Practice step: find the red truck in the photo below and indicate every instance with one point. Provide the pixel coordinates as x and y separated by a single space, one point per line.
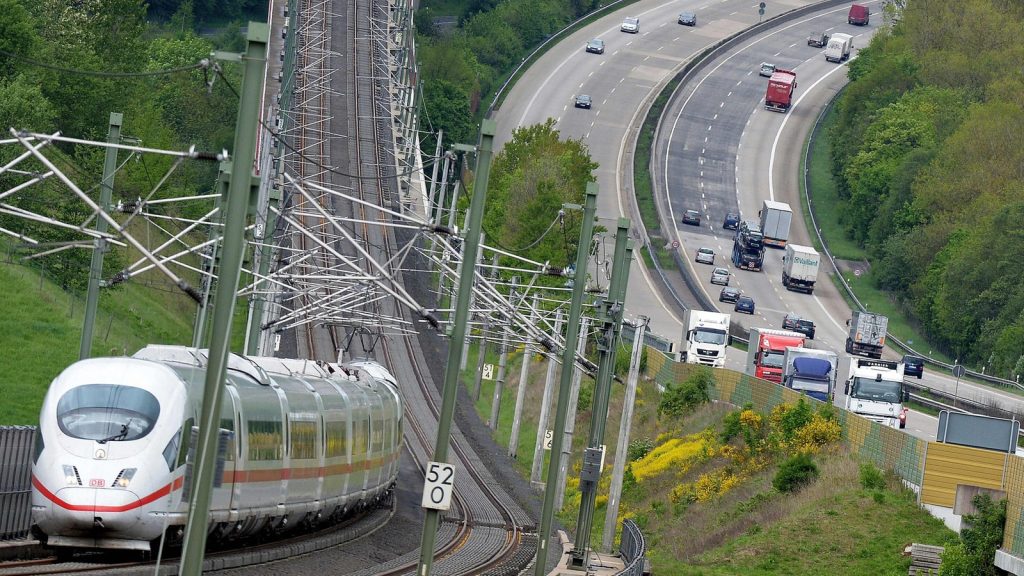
766 352
781 86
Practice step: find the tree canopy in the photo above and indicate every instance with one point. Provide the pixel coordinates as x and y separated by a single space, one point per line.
928 153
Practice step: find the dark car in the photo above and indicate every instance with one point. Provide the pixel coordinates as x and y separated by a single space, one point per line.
732 221
691 217
583 101
688 19
728 295
744 304
818 40
913 366
596 46
798 324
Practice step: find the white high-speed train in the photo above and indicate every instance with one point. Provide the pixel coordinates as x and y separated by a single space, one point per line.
301 443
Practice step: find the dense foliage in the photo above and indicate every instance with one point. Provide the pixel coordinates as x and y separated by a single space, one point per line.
981 534
84 42
928 152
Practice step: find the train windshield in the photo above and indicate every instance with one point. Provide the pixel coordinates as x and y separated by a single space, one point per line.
107 412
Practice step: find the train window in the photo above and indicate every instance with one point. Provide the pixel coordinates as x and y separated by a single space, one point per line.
377 436
337 439
266 440
37 444
229 424
303 439
186 443
107 412
360 437
171 450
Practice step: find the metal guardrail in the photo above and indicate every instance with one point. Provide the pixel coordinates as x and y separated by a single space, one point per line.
853 297
16 444
633 549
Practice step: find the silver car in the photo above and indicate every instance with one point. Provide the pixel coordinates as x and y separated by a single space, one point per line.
705 256
720 276
631 25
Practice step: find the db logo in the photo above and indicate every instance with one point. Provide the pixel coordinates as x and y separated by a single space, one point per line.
96 483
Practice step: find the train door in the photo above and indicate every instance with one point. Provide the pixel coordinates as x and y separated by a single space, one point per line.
224 496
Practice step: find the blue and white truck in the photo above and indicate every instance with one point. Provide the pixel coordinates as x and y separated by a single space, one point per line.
811 372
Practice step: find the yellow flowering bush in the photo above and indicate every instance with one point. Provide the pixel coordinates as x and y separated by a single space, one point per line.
817 433
676 454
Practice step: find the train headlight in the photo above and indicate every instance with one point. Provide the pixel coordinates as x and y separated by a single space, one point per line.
71 476
124 478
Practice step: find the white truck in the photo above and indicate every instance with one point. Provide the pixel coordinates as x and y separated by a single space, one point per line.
800 267
839 47
875 391
775 220
810 371
706 338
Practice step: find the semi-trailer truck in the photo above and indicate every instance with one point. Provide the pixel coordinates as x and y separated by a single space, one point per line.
839 47
706 338
800 267
811 372
867 334
775 220
875 391
781 86
767 350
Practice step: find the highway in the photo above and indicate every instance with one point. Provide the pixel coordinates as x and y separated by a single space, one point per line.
719 149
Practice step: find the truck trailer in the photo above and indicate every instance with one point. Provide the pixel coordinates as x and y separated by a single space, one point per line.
839 47
811 372
706 338
875 391
775 220
867 334
800 267
767 350
781 86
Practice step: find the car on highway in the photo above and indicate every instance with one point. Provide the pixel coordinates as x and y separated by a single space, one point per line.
728 295
687 18
705 256
596 46
631 25
818 40
767 69
720 276
797 324
732 221
913 366
744 304
583 101
691 217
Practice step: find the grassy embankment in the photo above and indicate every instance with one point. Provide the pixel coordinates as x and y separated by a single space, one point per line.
735 524
41 327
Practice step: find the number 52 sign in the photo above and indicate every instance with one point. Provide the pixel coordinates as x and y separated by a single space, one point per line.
438 485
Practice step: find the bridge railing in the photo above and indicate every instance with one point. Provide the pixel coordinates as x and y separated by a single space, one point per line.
632 549
16 481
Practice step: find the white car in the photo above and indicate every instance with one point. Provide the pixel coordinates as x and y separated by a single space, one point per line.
720 276
767 69
631 25
705 256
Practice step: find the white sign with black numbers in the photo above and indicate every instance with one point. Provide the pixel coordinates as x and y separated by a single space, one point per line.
438 486
549 435
488 372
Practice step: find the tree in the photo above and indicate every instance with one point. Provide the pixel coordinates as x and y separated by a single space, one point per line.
980 535
16 36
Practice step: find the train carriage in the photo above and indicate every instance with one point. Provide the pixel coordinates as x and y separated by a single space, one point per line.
301 443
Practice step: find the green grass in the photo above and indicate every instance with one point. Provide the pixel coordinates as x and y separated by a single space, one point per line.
826 199
41 327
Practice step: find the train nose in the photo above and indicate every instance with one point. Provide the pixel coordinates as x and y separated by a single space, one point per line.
105 510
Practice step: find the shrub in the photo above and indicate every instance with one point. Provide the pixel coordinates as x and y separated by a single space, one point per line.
788 418
639 448
817 433
794 473
871 478
981 534
585 399
677 400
